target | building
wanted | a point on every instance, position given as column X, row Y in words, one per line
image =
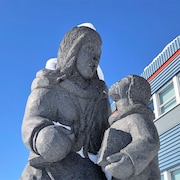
column 163, row 74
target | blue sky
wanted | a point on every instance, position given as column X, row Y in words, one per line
column 134, row 32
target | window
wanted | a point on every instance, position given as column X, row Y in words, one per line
column 162, row 177
column 175, row 175
column 172, row 174
column 113, row 107
column 151, row 105
column 167, row 98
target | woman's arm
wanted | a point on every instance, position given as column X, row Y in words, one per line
column 39, row 133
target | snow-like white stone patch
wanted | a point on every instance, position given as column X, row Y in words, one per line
column 51, row 65
column 89, row 25
column 62, row 125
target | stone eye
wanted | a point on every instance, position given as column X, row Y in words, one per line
column 95, row 59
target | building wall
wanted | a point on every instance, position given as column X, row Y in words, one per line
column 166, row 74
column 163, row 69
column 169, row 154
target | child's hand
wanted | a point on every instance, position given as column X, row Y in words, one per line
column 114, row 158
column 121, row 166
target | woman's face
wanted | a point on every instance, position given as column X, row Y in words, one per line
column 88, row 60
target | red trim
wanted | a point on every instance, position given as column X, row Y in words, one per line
column 164, row 65
column 114, row 111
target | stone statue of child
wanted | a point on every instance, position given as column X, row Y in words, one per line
column 66, row 112
column 130, row 146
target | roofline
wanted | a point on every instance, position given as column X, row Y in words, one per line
column 166, row 56
column 164, row 65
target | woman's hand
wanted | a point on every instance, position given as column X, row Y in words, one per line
column 53, row 143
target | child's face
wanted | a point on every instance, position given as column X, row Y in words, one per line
column 122, row 103
column 120, row 89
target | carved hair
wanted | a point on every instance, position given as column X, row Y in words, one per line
column 133, row 87
column 70, row 45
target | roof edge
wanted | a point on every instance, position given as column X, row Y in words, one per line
column 169, row 50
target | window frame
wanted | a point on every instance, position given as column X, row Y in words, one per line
column 156, row 101
column 172, row 170
column 167, row 174
column 163, row 89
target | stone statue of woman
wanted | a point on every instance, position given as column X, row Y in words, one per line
column 67, row 112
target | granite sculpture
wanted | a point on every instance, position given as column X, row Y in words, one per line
column 67, row 112
column 130, row 146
